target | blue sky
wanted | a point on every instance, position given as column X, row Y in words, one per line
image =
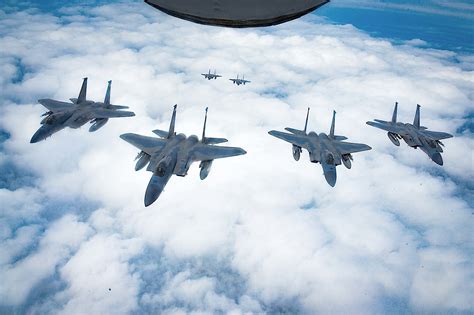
column 449, row 29
column 262, row 234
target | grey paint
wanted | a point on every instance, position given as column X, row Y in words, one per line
column 211, row 76
column 173, row 153
column 414, row 135
column 241, row 81
column 77, row 113
column 237, row 13
column 328, row 150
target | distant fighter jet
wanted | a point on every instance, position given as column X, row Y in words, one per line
column 329, row 150
column 74, row 115
column 239, row 81
column 237, row 13
column 210, row 75
column 414, row 135
column 174, row 153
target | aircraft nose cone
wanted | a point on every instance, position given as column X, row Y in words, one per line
column 38, row 136
column 331, row 178
column 153, row 191
column 437, row 158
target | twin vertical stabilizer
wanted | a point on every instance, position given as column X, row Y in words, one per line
column 416, row 121
column 107, row 94
column 394, row 115
column 82, row 94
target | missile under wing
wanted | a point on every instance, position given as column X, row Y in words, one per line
column 237, row 13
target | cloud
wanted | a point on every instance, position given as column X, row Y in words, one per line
column 262, row 233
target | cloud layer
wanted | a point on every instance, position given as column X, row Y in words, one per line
column 262, row 233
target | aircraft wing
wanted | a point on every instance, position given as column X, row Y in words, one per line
column 205, row 152
column 299, row 140
column 436, row 135
column 148, row 145
column 348, row 147
column 107, row 113
column 55, row 106
column 385, row 126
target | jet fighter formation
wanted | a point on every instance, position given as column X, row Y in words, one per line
column 77, row 113
column 240, row 81
column 414, row 135
column 173, row 153
column 328, row 150
column 211, row 76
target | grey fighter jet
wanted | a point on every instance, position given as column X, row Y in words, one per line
column 210, row 75
column 76, row 114
column 173, row 153
column 239, row 81
column 329, row 150
column 414, row 135
column 237, row 13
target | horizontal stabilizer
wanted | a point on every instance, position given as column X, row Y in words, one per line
column 161, row 133
column 340, row 138
column 436, row 135
column 295, row 131
column 117, row 107
column 105, row 113
column 215, row 140
column 382, row 121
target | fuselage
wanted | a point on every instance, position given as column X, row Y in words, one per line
column 175, row 155
column 415, row 138
column 321, row 150
column 74, row 118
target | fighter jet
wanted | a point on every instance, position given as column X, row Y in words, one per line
column 173, row 153
column 414, row 135
column 210, row 75
column 329, row 150
column 237, row 13
column 77, row 113
column 239, row 81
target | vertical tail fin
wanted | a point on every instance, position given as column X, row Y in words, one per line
column 215, row 71
column 306, row 123
column 82, row 94
column 333, row 125
column 416, row 121
column 394, row 115
column 209, row 71
column 107, row 94
column 171, row 132
column 204, row 128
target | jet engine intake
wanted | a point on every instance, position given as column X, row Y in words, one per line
column 143, row 159
column 49, row 119
column 296, row 152
column 98, row 123
column 205, row 167
column 394, row 138
column 346, row 160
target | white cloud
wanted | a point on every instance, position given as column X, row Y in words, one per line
column 262, row 233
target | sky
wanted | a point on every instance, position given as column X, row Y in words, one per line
column 263, row 233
